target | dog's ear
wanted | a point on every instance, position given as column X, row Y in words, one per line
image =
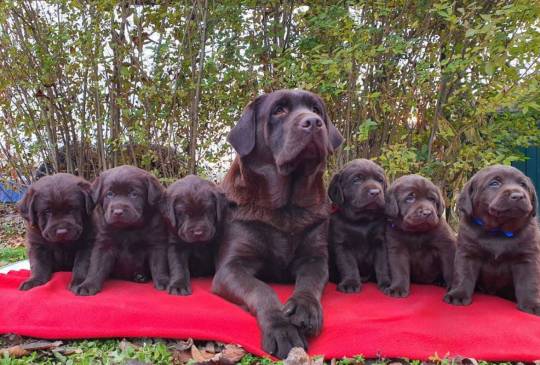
column 464, row 203
column 86, row 189
column 243, row 136
column 166, row 207
column 534, row 196
column 335, row 191
column 155, row 190
column 26, row 207
column 97, row 186
column 335, row 138
column 221, row 206
column 441, row 205
column 391, row 207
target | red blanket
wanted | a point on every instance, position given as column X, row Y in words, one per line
column 367, row 323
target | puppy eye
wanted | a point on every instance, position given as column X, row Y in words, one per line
column 356, row 179
column 410, row 198
column 109, row 194
column 494, row 184
column 47, row 211
column 379, row 179
column 523, row 184
column 133, row 194
column 430, row 198
column 280, row 110
column 316, row 110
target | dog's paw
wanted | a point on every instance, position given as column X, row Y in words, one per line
column 455, row 297
column 396, row 291
column 31, row 283
column 305, row 312
column 532, row 308
column 349, row 286
column 179, row 288
column 87, row 289
column 161, row 283
column 280, row 336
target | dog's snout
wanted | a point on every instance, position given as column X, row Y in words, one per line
column 61, row 232
column 311, row 123
column 197, row 232
column 118, row 212
column 516, row 195
column 374, row 192
column 425, row 212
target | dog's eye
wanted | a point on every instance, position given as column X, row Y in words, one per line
column 523, row 184
column 133, row 194
column 280, row 110
column 109, row 194
column 316, row 110
column 410, row 198
column 379, row 179
column 356, row 179
column 433, row 199
column 47, row 211
column 494, row 184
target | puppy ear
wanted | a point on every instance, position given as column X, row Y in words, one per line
column 335, row 191
column 464, row 203
column 167, row 209
column 154, row 190
column 391, row 207
column 242, row 137
column 441, row 205
column 534, row 196
column 86, row 189
column 26, row 207
column 335, row 138
column 221, row 206
column 97, row 186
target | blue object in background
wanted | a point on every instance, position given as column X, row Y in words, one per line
column 11, row 192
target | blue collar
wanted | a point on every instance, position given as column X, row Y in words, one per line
column 481, row 223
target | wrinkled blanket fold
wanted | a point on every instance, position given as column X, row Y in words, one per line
column 367, row 323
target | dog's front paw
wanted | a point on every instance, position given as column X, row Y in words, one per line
column 396, row 291
column 31, row 283
column 349, row 286
column 532, row 308
column 280, row 336
column 179, row 288
column 87, row 289
column 457, row 297
column 161, row 283
column 305, row 312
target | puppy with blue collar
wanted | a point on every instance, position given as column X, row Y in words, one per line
column 499, row 239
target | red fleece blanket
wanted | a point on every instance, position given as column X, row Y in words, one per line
column 367, row 323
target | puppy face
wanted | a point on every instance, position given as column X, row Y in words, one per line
column 126, row 193
column 58, row 206
column 194, row 208
column 414, row 204
column 291, row 126
column 499, row 194
column 359, row 188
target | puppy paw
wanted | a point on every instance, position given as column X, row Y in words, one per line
column 86, row 289
column 349, row 286
column 456, row 298
column 396, row 292
column 161, row 283
column 31, row 283
column 280, row 336
column 305, row 312
column 532, row 308
column 179, row 288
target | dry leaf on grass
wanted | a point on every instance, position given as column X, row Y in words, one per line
column 14, row 351
column 297, row 356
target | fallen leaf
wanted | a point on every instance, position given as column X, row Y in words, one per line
column 200, row 356
column 14, row 351
column 297, row 356
column 319, row 360
column 232, row 353
column 181, row 357
column 183, row 345
column 41, row 345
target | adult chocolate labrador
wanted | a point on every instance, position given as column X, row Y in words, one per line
column 499, row 239
column 278, row 231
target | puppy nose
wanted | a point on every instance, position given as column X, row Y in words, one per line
column 197, row 232
column 60, row 232
column 425, row 212
column 517, row 196
column 310, row 123
column 117, row 212
column 374, row 192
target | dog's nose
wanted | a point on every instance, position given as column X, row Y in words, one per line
column 310, row 123
column 374, row 192
column 61, row 232
column 118, row 212
column 425, row 212
column 517, row 196
column 197, row 232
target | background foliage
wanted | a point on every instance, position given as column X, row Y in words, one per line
column 436, row 87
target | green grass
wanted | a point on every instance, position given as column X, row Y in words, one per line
column 12, row 254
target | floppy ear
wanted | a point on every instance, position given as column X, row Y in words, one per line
column 441, row 206
column 464, row 203
column 166, row 208
column 534, row 196
column 154, row 190
column 242, row 137
column 97, row 186
column 221, row 206
column 26, row 207
column 335, row 191
column 335, row 138
column 86, row 189
column 391, row 207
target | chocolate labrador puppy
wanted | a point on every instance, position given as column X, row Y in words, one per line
column 131, row 237
column 278, row 230
column 499, row 239
column 194, row 209
column 57, row 211
column 420, row 244
column 357, row 226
